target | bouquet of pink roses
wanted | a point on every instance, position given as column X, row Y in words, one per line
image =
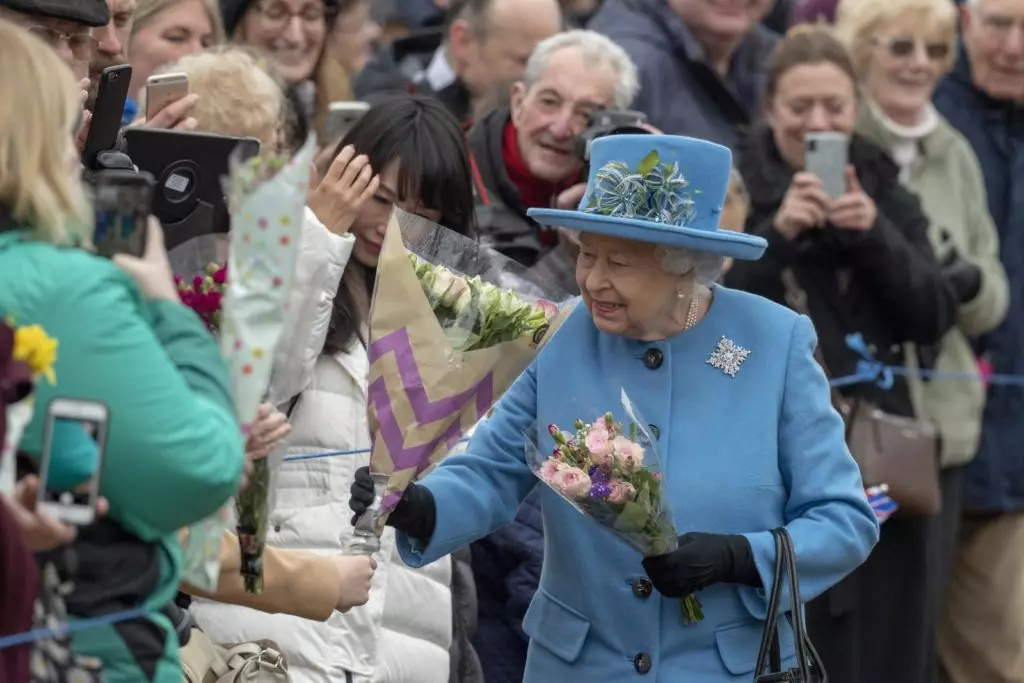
column 599, row 468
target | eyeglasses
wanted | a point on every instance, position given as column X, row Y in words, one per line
column 1000, row 25
column 82, row 45
column 905, row 46
column 277, row 15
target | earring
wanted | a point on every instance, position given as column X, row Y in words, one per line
column 680, row 294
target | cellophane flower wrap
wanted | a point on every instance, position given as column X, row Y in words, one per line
column 452, row 324
column 267, row 202
column 611, row 472
column 27, row 354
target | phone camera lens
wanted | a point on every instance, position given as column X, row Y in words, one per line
column 812, row 145
column 114, row 76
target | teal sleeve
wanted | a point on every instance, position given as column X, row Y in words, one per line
column 75, row 451
column 174, row 450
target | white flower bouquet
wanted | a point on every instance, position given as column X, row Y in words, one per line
column 452, row 324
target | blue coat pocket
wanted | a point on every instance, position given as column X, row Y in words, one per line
column 738, row 645
column 556, row 626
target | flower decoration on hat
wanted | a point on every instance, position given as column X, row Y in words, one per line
column 654, row 191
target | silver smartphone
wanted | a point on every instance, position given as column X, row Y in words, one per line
column 826, row 156
column 163, row 89
column 341, row 116
column 75, row 437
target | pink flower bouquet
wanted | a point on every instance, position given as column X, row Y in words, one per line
column 609, row 476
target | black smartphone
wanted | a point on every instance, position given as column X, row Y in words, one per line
column 107, row 112
column 122, row 201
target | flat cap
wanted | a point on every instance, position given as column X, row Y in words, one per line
column 93, row 13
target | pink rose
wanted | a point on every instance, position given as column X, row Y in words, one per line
column 621, row 491
column 550, row 468
column 630, row 455
column 599, row 445
column 571, row 482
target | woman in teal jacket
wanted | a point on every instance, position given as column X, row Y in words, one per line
column 174, row 452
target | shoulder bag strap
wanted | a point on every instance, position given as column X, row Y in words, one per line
column 769, row 640
column 809, row 661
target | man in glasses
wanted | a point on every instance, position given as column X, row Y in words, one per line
column 67, row 26
column 980, row 635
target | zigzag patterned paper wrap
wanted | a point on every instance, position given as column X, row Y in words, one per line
column 423, row 394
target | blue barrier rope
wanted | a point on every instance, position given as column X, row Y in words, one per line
column 70, row 627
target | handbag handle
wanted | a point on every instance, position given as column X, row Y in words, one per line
column 808, row 660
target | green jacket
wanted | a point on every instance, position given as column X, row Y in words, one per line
column 947, row 179
column 174, row 451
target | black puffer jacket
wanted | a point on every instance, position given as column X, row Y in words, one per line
column 883, row 283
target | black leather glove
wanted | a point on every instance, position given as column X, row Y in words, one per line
column 110, row 160
column 702, row 560
column 415, row 515
column 964, row 276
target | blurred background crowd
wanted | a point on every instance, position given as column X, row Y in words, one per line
column 469, row 113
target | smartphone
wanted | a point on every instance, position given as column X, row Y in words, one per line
column 122, row 202
column 163, row 89
column 107, row 112
column 74, row 440
column 341, row 116
column 826, row 156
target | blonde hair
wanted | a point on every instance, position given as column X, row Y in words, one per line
column 39, row 111
column 237, row 94
column 857, row 22
column 147, row 11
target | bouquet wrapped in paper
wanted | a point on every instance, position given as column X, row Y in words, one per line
column 612, row 474
column 244, row 302
column 27, row 354
column 452, row 324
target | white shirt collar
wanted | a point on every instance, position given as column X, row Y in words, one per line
column 439, row 72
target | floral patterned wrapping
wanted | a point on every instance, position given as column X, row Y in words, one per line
column 452, row 325
column 267, row 201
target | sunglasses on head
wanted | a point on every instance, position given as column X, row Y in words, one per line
column 905, row 46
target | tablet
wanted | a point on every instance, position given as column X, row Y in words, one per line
column 189, row 168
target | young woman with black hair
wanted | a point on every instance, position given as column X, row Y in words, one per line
column 409, row 152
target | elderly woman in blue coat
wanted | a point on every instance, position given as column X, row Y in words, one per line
column 738, row 407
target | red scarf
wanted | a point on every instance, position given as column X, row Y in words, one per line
column 533, row 193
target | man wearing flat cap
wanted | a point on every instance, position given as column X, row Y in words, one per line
column 67, row 25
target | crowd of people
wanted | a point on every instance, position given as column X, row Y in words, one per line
column 485, row 117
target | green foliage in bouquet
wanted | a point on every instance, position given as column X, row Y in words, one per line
column 475, row 314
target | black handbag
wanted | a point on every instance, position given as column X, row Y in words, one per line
column 809, row 667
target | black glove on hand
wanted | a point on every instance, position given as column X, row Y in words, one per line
column 964, row 276
column 702, row 560
column 415, row 514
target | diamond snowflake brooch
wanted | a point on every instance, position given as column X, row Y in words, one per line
column 728, row 356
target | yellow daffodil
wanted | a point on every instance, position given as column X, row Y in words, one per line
column 36, row 349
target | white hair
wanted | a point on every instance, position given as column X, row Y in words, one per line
column 596, row 48
column 705, row 266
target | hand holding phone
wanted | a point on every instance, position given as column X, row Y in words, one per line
column 162, row 89
column 805, row 206
column 107, row 112
column 74, row 443
column 855, row 209
column 121, row 203
column 825, row 156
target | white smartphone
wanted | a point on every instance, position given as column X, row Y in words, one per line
column 341, row 116
column 163, row 89
column 75, row 433
column 826, row 156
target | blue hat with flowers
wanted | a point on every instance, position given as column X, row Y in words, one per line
column 665, row 189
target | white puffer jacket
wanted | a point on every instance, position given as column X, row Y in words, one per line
column 404, row 633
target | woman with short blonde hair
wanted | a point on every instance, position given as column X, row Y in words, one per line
column 901, row 48
column 238, row 96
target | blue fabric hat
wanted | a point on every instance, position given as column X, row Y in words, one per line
column 665, row 189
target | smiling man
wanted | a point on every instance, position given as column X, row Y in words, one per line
column 701, row 62
column 526, row 154
column 66, row 26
